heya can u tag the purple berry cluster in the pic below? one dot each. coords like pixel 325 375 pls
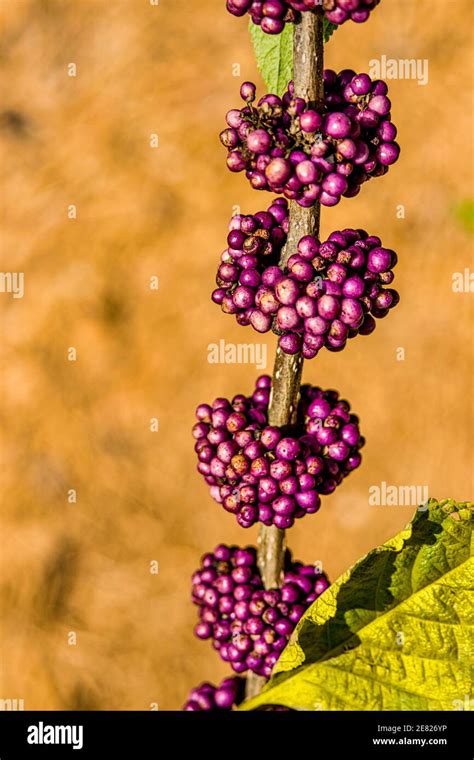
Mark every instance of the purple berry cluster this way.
pixel 272 15
pixel 287 147
pixel 338 12
pixel 255 242
pixel 275 475
pixel 328 292
pixel 229 693
pixel 250 626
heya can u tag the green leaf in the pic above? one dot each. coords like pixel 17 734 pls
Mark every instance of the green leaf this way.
pixel 395 632
pixel 274 54
pixel 328 30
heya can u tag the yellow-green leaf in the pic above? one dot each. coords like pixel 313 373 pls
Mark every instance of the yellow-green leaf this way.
pixel 395 632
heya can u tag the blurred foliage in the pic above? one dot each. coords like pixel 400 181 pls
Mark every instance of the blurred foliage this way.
pixel 465 214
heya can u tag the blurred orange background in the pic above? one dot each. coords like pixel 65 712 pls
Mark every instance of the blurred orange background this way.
pixel 169 70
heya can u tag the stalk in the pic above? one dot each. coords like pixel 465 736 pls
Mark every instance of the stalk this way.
pixel 308 45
